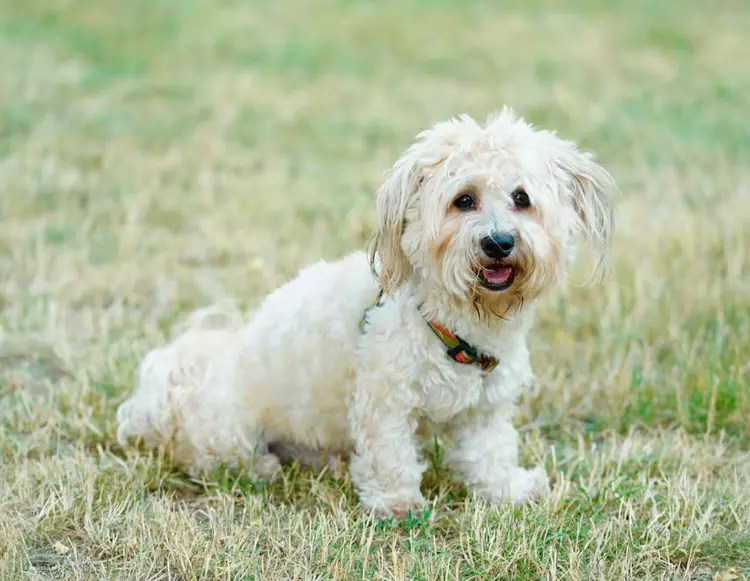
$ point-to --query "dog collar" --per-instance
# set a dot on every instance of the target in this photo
(461, 351)
(457, 349)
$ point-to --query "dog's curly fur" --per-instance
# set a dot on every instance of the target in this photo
(301, 373)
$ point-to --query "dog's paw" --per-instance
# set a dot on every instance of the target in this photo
(400, 511)
(404, 513)
(267, 467)
(528, 485)
(398, 508)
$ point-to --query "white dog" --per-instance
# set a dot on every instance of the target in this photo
(429, 331)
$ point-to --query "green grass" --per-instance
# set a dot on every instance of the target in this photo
(159, 156)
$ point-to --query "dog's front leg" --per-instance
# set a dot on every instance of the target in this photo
(485, 453)
(386, 468)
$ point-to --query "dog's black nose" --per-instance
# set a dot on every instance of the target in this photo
(498, 245)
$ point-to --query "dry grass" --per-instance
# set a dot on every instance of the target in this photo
(157, 156)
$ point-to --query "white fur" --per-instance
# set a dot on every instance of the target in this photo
(301, 373)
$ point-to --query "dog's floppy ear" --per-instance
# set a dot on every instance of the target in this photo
(388, 260)
(592, 189)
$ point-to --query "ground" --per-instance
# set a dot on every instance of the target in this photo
(160, 156)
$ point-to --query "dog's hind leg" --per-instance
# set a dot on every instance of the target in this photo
(186, 403)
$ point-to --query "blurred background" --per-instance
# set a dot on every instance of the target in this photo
(160, 155)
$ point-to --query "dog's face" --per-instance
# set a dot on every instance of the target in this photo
(489, 214)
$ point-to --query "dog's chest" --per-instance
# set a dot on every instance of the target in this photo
(448, 388)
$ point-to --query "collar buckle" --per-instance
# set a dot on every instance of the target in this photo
(461, 351)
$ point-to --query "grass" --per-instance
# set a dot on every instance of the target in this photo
(159, 156)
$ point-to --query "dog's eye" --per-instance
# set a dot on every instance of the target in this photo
(521, 199)
(465, 202)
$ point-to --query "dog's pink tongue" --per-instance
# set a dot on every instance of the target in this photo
(498, 274)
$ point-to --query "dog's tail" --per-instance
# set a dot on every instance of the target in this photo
(181, 399)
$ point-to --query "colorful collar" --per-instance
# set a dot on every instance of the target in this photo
(461, 351)
(458, 349)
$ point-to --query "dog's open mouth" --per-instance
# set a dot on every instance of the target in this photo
(497, 276)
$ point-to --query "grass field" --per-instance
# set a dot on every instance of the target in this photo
(159, 156)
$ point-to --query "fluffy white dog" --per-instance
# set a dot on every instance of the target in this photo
(427, 333)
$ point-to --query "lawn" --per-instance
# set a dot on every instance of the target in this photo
(160, 156)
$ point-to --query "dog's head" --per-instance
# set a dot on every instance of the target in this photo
(489, 213)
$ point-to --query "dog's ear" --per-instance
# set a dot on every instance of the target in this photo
(592, 191)
(388, 260)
